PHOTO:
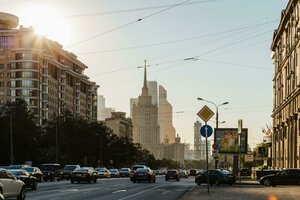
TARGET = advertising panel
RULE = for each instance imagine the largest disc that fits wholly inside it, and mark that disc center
(228, 140)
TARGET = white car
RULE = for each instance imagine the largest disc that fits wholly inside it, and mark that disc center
(11, 186)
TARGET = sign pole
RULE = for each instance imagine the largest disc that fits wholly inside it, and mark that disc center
(207, 158)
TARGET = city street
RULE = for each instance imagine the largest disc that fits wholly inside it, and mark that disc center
(112, 189)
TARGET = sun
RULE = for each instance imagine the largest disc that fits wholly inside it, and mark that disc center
(46, 21)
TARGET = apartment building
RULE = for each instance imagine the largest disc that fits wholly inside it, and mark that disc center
(50, 79)
(286, 89)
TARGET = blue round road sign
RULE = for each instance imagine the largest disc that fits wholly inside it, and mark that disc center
(206, 129)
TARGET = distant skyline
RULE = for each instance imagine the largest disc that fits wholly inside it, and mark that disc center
(218, 50)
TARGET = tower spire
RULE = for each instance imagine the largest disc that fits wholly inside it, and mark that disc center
(145, 88)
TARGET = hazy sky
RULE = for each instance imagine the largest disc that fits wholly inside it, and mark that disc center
(228, 39)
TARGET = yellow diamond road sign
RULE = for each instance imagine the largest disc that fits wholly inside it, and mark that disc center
(205, 113)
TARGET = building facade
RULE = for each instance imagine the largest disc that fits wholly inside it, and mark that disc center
(165, 117)
(102, 111)
(38, 70)
(145, 122)
(197, 141)
(286, 89)
(119, 124)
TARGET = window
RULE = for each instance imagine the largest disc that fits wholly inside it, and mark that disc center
(1, 66)
(2, 84)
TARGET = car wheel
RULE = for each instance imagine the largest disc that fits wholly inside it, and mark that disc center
(134, 181)
(198, 182)
(154, 180)
(72, 181)
(41, 179)
(167, 179)
(217, 182)
(178, 179)
(34, 186)
(95, 180)
(267, 182)
(22, 194)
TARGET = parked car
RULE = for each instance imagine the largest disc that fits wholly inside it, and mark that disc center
(68, 169)
(103, 173)
(216, 176)
(34, 171)
(51, 171)
(193, 172)
(11, 186)
(135, 167)
(23, 175)
(114, 173)
(84, 174)
(284, 177)
(142, 174)
(183, 173)
(245, 172)
(124, 172)
(172, 174)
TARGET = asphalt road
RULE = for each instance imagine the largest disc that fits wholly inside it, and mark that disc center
(112, 189)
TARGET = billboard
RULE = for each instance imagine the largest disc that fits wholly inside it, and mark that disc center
(227, 140)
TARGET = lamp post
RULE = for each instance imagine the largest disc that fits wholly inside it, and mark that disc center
(217, 114)
(11, 138)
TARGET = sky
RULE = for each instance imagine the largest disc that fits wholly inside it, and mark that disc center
(218, 50)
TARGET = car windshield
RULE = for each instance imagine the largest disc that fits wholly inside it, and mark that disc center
(29, 169)
(81, 170)
(141, 170)
(70, 167)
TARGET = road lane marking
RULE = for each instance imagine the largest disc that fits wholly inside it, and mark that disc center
(139, 193)
(119, 191)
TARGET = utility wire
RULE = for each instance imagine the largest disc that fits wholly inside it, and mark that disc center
(133, 10)
(180, 40)
(122, 26)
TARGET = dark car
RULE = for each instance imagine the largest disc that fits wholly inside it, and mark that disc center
(172, 174)
(85, 174)
(284, 177)
(216, 176)
(245, 172)
(51, 171)
(135, 167)
(68, 169)
(30, 181)
(34, 171)
(124, 172)
(193, 172)
(142, 174)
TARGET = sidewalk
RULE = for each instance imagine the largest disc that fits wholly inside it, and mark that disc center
(221, 192)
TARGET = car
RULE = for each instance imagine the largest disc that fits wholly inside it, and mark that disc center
(103, 173)
(183, 173)
(11, 186)
(23, 175)
(284, 177)
(114, 173)
(51, 171)
(84, 174)
(124, 172)
(245, 172)
(216, 176)
(34, 171)
(193, 172)
(68, 169)
(1, 196)
(143, 174)
(135, 167)
(172, 174)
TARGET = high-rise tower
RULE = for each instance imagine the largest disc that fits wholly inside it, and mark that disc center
(145, 121)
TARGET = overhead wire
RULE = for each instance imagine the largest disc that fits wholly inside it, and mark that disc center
(124, 25)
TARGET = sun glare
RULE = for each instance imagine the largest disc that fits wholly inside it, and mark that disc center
(46, 22)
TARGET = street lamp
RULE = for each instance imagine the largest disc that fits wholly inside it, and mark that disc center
(217, 115)
(217, 108)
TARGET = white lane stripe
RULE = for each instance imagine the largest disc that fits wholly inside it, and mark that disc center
(119, 191)
(138, 193)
